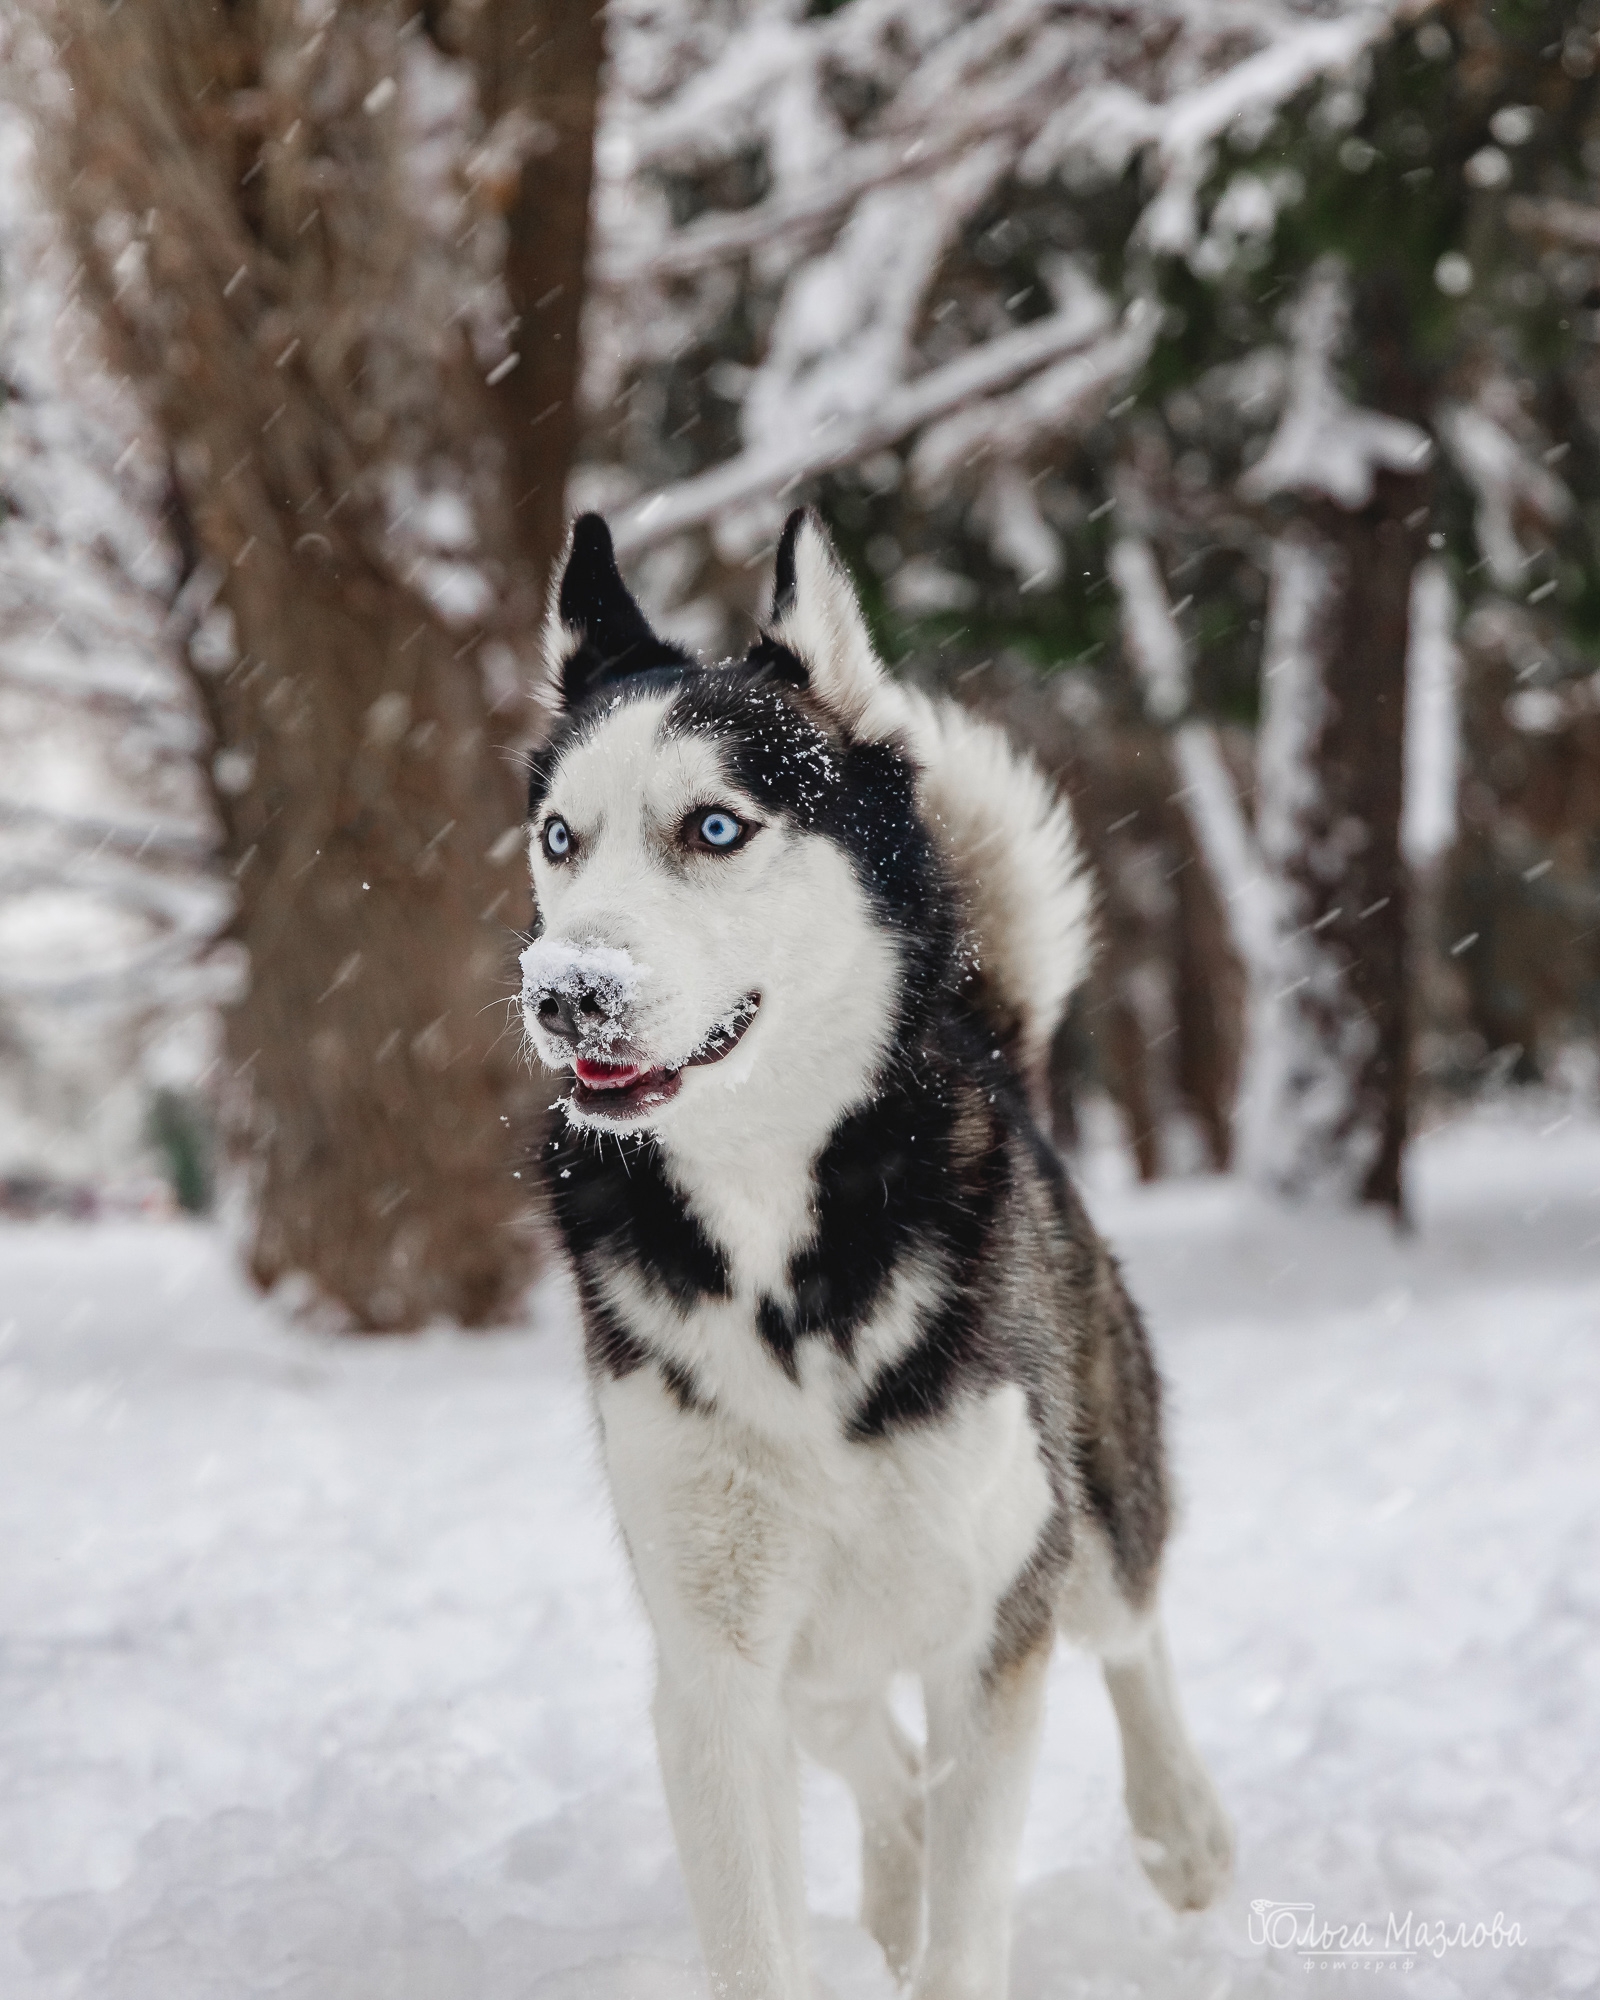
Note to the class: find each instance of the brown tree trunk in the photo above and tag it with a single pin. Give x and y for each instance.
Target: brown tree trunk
(1208, 998)
(286, 322)
(1128, 1075)
(1325, 1108)
(1362, 763)
(542, 57)
(380, 1093)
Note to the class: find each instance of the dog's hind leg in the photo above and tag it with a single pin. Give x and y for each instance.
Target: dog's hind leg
(1182, 1833)
(983, 1734)
(863, 1742)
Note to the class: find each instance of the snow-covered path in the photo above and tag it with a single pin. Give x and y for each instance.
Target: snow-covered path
(320, 1675)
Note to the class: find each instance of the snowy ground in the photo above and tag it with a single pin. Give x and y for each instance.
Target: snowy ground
(320, 1675)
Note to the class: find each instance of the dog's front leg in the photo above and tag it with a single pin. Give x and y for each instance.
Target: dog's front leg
(710, 1528)
(983, 1733)
(728, 1762)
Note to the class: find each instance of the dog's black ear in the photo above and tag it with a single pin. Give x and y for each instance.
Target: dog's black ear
(767, 656)
(816, 621)
(594, 631)
(783, 572)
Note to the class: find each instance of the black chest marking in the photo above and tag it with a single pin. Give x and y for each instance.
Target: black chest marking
(882, 1188)
(983, 1103)
(611, 1197)
(922, 1170)
(613, 1203)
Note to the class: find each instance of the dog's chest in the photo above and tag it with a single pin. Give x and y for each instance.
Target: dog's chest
(840, 1559)
(753, 1513)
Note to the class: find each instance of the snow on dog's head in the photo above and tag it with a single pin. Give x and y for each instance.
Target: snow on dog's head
(734, 889)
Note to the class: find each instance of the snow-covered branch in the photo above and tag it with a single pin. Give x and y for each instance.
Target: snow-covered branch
(1106, 126)
(1301, 587)
(166, 975)
(192, 907)
(1433, 719)
(152, 842)
(1049, 406)
(103, 694)
(1324, 445)
(1514, 491)
(1155, 645)
(695, 85)
(107, 898)
(1160, 660)
(766, 473)
(1008, 103)
(779, 193)
(1224, 837)
(721, 238)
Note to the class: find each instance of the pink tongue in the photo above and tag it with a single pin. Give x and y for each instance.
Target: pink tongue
(606, 1074)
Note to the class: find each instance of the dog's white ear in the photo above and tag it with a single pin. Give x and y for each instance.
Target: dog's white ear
(816, 616)
(594, 632)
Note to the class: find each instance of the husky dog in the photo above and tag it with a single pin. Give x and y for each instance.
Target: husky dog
(873, 1398)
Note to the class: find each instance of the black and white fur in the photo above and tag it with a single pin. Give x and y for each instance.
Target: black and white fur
(873, 1397)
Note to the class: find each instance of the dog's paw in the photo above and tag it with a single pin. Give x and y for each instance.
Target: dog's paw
(1183, 1838)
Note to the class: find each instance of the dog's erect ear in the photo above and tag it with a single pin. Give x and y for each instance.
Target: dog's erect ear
(817, 617)
(594, 632)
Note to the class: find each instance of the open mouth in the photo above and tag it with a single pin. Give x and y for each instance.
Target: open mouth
(624, 1090)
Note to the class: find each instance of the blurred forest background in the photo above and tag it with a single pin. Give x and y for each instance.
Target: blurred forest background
(1209, 389)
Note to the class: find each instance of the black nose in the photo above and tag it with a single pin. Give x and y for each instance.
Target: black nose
(572, 1016)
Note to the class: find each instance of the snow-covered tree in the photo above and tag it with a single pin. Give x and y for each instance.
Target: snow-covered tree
(1366, 353)
(1136, 332)
(336, 253)
(813, 223)
(107, 902)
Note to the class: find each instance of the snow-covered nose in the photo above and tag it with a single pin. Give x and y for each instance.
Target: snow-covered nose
(574, 1017)
(578, 992)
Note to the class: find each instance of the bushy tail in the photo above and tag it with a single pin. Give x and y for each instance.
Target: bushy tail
(1008, 837)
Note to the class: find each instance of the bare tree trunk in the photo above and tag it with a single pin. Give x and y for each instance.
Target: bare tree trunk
(380, 1092)
(1209, 986)
(1316, 894)
(245, 195)
(1324, 1106)
(1128, 1070)
(540, 60)
(1364, 767)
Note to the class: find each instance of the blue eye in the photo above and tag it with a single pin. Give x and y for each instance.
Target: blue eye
(720, 829)
(557, 840)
